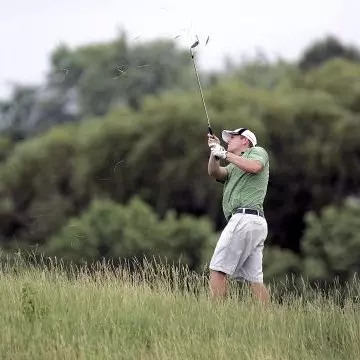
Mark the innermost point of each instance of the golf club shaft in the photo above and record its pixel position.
(202, 96)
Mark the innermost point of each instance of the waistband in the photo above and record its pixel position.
(247, 211)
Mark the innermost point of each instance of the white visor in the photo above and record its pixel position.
(241, 131)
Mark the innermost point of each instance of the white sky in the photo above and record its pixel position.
(30, 30)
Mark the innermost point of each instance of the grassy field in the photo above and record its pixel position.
(49, 313)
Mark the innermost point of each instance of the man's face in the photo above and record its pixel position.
(236, 143)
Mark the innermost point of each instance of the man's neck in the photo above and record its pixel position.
(240, 151)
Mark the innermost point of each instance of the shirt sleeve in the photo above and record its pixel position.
(260, 154)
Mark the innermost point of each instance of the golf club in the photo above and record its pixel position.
(194, 45)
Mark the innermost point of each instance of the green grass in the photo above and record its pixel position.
(49, 313)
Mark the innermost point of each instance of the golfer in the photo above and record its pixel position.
(239, 251)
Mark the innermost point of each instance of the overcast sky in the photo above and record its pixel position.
(30, 30)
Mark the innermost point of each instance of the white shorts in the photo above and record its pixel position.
(239, 250)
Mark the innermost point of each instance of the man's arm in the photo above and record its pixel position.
(247, 165)
(215, 170)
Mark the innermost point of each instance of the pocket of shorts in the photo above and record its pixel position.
(258, 220)
(260, 223)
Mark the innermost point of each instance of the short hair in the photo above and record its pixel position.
(250, 142)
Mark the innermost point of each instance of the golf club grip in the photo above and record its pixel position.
(211, 133)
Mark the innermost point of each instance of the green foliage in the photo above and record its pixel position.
(280, 263)
(308, 121)
(338, 77)
(186, 239)
(260, 72)
(15, 112)
(331, 242)
(36, 186)
(33, 109)
(114, 231)
(312, 140)
(93, 79)
(106, 229)
(6, 146)
(323, 50)
(119, 72)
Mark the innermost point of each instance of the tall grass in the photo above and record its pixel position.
(157, 311)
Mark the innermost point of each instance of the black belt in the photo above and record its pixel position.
(247, 211)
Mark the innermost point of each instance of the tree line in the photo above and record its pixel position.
(114, 168)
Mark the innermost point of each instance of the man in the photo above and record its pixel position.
(239, 251)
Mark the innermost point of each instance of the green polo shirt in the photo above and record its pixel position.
(242, 189)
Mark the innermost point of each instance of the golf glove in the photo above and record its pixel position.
(212, 142)
(219, 151)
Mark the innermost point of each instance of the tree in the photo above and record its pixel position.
(33, 109)
(93, 79)
(36, 187)
(260, 72)
(338, 77)
(15, 112)
(101, 76)
(280, 264)
(331, 242)
(309, 125)
(132, 231)
(326, 49)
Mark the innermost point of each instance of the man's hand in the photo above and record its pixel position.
(219, 151)
(213, 141)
